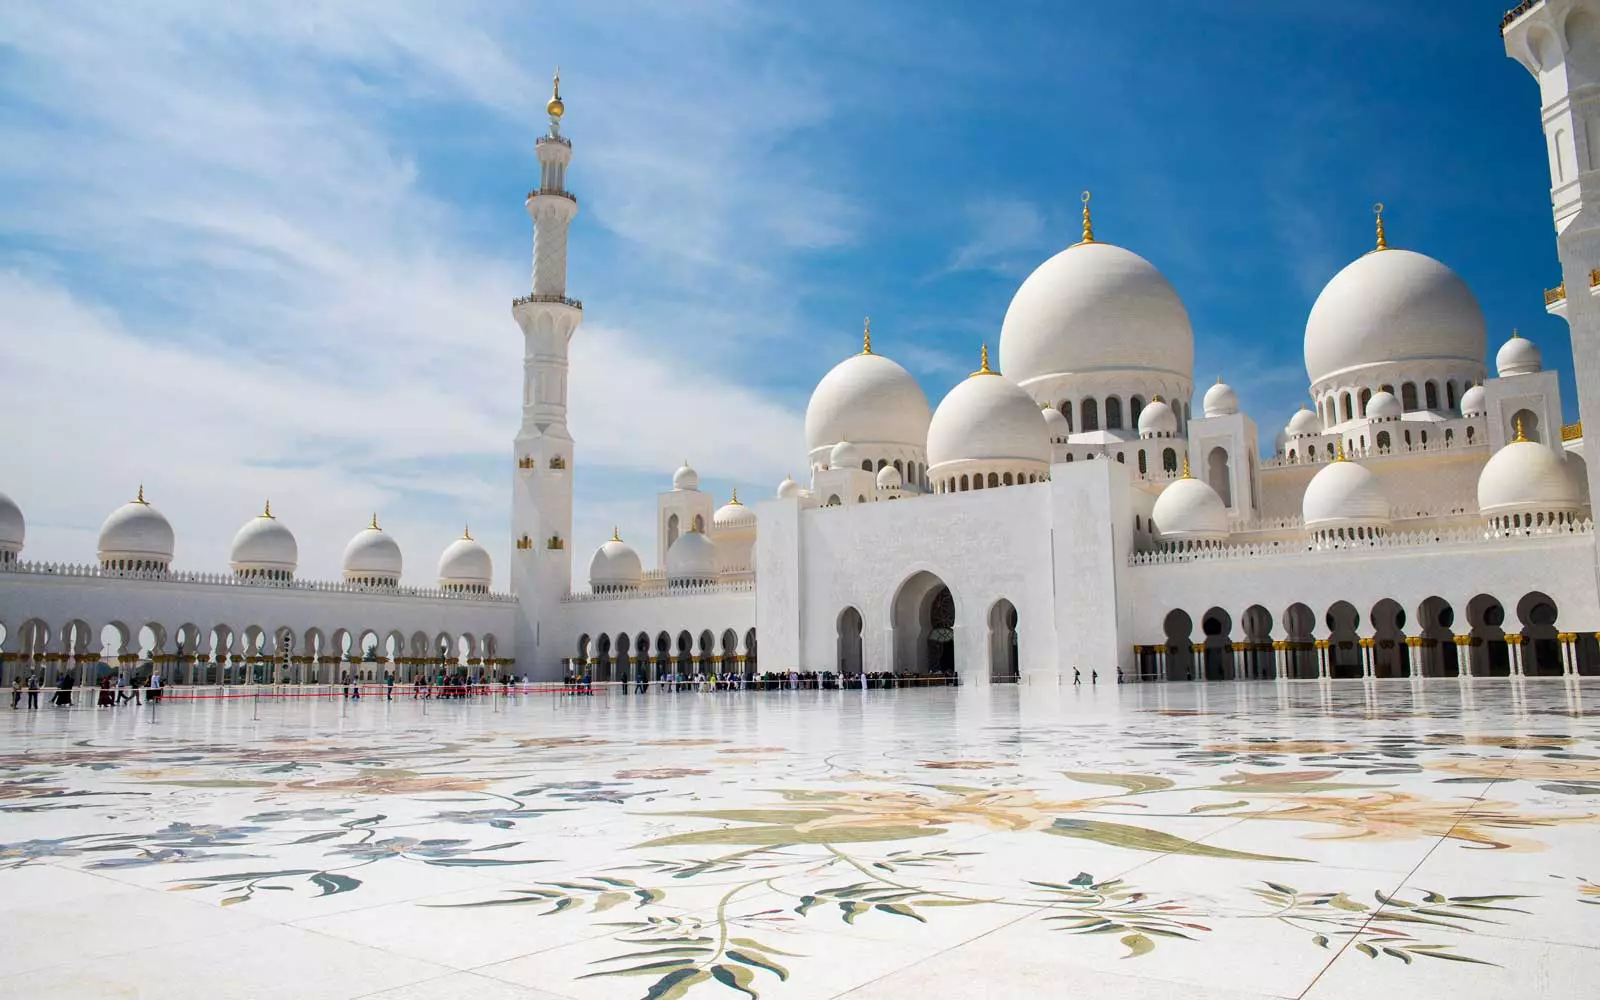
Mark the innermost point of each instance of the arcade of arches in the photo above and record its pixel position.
(1482, 639)
(640, 656)
(223, 654)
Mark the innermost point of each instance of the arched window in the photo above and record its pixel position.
(1366, 397)
(963, 484)
(1471, 433)
(977, 481)
(1383, 440)
(1349, 411)
(866, 465)
(1113, 413)
(672, 530)
(1069, 456)
(1135, 407)
(1066, 411)
(1408, 439)
(1408, 396)
(1169, 461)
(1122, 457)
(1091, 415)
(1450, 395)
(900, 469)
(1143, 470)
(1006, 480)
(1431, 393)
(994, 480)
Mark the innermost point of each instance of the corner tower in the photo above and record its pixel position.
(541, 511)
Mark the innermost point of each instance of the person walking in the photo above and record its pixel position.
(155, 686)
(1077, 678)
(122, 689)
(388, 686)
(33, 691)
(1094, 677)
(63, 697)
(16, 692)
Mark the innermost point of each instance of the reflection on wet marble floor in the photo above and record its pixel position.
(1199, 841)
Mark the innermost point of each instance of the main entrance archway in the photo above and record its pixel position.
(849, 658)
(924, 617)
(1003, 643)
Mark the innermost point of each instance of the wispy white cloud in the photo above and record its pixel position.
(1005, 236)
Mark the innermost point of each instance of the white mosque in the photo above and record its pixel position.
(1067, 506)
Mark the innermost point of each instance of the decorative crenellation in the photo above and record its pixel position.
(558, 463)
(189, 577)
(1572, 432)
(555, 543)
(524, 543)
(552, 192)
(1556, 294)
(683, 590)
(1400, 540)
(537, 297)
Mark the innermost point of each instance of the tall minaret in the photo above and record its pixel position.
(541, 511)
(1558, 41)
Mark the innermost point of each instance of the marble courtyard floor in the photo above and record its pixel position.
(1228, 841)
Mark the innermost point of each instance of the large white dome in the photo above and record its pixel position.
(1392, 306)
(1343, 494)
(1220, 400)
(1525, 477)
(615, 564)
(264, 545)
(788, 489)
(1095, 307)
(13, 527)
(1304, 423)
(372, 555)
(465, 563)
(692, 559)
(987, 418)
(685, 478)
(1189, 510)
(137, 532)
(733, 515)
(869, 400)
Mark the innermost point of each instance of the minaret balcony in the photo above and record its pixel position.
(552, 193)
(557, 299)
(559, 140)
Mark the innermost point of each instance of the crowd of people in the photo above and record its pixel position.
(112, 690)
(576, 682)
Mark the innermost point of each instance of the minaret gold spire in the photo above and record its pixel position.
(374, 524)
(268, 511)
(1186, 465)
(1339, 451)
(616, 533)
(554, 107)
(1377, 210)
(140, 498)
(866, 336)
(1520, 436)
(735, 500)
(466, 532)
(1088, 224)
(983, 367)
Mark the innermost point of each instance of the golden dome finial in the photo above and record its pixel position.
(374, 524)
(1339, 451)
(983, 366)
(1088, 224)
(140, 498)
(616, 533)
(866, 336)
(1186, 465)
(553, 107)
(267, 512)
(735, 500)
(466, 532)
(1520, 436)
(1515, 335)
(1377, 210)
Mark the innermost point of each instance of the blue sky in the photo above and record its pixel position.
(269, 250)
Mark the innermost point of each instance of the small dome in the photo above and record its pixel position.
(1474, 401)
(1157, 418)
(869, 399)
(1343, 494)
(1221, 400)
(1525, 477)
(844, 456)
(264, 545)
(1304, 423)
(1189, 510)
(137, 532)
(788, 489)
(889, 478)
(685, 478)
(733, 514)
(13, 528)
(1384, 406)
(465, 563)
(615, 565)
(1095, 307)
(1055, 425)
(372, 555)
(1518, 356)
(1392, 306)
(987, 418)
(692, 559)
